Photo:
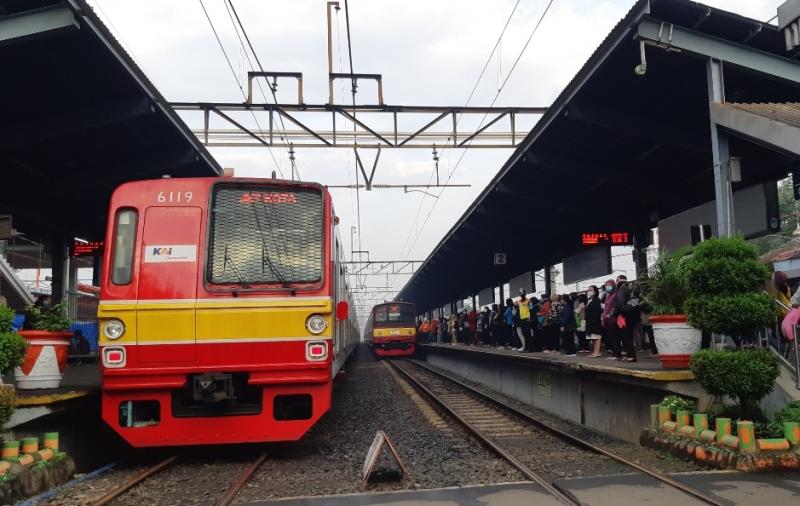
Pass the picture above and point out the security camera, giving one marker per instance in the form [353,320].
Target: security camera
[640,69]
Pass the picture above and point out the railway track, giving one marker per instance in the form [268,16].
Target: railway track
[509,432]
[145,474]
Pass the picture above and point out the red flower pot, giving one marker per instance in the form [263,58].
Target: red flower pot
[676,340]
[45,359]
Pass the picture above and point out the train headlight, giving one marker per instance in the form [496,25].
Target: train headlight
[113,329]
[316,324]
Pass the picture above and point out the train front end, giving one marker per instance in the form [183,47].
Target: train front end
[217,311]
[393,331]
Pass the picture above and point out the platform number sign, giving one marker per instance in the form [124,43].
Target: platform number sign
[500,259]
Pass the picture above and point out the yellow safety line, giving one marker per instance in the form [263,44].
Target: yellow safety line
[37,400]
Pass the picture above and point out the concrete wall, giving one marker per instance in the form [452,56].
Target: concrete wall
[613,404]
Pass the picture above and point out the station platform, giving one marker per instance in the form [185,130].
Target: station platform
[726,487]
[606,395]
[647,366]
[81,380]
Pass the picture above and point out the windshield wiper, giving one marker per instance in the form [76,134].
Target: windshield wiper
[265,258]
[228,260]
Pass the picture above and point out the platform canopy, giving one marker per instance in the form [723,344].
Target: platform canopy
[620,149]
[77,118]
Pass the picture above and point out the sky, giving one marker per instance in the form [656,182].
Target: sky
[429,53]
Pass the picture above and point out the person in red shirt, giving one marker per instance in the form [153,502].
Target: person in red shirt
[472,318]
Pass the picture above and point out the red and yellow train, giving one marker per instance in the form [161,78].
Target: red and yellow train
[391,329]
[224,310]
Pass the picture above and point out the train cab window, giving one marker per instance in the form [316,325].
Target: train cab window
[263,234]
[394,313]
[124,238]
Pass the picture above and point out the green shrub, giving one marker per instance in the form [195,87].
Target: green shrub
[789,413]
[746,376]
[742,314]
[726,265]
[667,283]
[725,280]
[52,318]
[676,403]
[7,400]
[6,318]
[12,351]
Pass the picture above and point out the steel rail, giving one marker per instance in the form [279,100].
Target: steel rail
[658,475]
[110,496]
[502,453]
[234,489]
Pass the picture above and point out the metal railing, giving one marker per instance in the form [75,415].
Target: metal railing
[796,367]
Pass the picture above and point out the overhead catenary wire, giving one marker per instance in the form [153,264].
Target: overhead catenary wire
[261,68]
[458,119]
[353,93]
[238,83]
[502,86]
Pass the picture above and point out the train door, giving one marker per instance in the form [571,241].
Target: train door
[165,315]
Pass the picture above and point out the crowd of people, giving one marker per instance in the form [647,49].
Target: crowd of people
[608,321]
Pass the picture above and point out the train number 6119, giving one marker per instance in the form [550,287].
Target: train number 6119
[174,197]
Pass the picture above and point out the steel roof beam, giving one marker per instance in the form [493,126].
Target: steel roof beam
[671,37]
[36,23]
[762,130]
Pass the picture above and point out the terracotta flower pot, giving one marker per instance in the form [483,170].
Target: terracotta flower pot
[676,340]
[45,359]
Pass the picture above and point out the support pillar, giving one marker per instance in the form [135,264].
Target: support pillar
[720,151]
[547,281]
[97,269]
[474,306]
[501,302]
[60,268]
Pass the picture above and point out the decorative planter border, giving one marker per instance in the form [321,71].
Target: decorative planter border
[26,468]
[689,437]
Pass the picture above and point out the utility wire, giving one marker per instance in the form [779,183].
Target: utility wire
[355,138]
[469,99]
[508,76]
[261,68]
[233,72]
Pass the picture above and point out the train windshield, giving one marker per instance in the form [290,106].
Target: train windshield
[265,235]
[394,313]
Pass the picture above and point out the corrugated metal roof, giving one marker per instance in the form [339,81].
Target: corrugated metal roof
[786,112]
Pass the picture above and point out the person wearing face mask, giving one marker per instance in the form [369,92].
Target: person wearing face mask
[613,345]
[580,323]
[625,318]
[593,314]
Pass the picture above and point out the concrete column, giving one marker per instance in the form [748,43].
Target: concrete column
[547,281]
[720,151]
[502,296]
[59,258]
[97,269]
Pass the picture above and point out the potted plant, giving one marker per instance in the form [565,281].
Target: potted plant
[725,281]
[12,351]
[667,293]
[48,337]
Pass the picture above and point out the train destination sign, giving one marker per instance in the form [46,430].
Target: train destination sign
[607,239]
[85,249]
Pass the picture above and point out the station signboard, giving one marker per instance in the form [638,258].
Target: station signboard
[618,238]
[86,249]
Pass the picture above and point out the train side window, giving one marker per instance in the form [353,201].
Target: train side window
[124,238]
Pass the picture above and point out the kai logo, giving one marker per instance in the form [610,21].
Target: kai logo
[170,253]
